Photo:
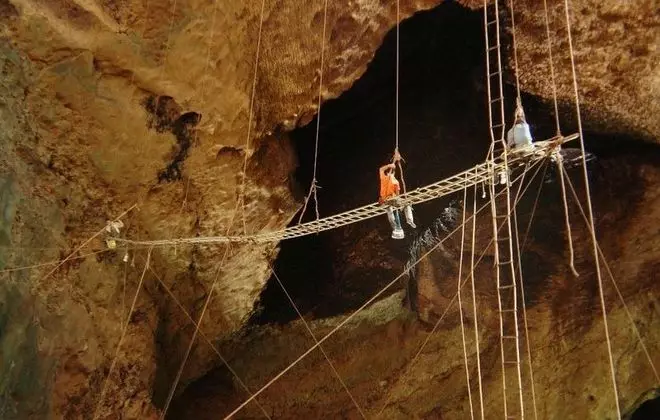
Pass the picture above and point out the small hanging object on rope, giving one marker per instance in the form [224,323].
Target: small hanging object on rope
[519,137]
[113,227]
[389,192]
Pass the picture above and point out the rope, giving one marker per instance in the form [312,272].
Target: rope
[460,305]
[616,287]
[309,330]
[396,107]
[194,336]
[569,236]
[515,54]
[251,114]
[480,173]
[474,302]
[552,66]
[207,340]
[524,306]
[536,202]
[121,339]
[314,185]
[59,261]
[344,322]
[592,227]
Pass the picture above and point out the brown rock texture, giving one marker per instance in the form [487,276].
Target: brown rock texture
[106,105]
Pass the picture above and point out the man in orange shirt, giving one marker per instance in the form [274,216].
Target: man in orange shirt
[389,190]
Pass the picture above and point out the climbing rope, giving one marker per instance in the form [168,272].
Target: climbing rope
[592,227]
[460,304]
[311,333]
[314,185]
[104,388]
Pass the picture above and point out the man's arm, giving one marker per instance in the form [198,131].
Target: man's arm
[386,167]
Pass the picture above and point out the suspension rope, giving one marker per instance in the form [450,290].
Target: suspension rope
[534,207]
[311,333]
[474,302]
[524,307]
[251,114]
[592,226]
[552,66]
[569,235]
[121,339]
[344,322]
[460,304]
[314,185]
[515,54]
[54,262]
[396,106]
[206,339]
[616,287]
[198,324]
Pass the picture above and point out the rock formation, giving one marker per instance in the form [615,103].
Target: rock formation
[149,107]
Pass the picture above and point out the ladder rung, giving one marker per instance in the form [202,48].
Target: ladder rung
[507,262]
[505,238]
[494,47]
[510,362]
[507,310]
[490,22]
[508,286]
[498,125]
[492,101]
[510,337]
[495,73]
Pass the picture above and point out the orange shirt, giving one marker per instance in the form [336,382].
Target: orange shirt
[389,187]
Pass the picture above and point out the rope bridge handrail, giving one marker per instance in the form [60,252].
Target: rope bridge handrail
[483,172]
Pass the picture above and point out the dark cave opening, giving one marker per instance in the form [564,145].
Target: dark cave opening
[649,410]
[443,130]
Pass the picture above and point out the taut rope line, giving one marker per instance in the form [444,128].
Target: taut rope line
[616,287]
[460,305]
[590,209]
[314,185]
[552,66]
[121,338]
[311,333]
[206,339]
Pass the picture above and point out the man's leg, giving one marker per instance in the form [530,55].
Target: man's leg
[407,211]
[395,221]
